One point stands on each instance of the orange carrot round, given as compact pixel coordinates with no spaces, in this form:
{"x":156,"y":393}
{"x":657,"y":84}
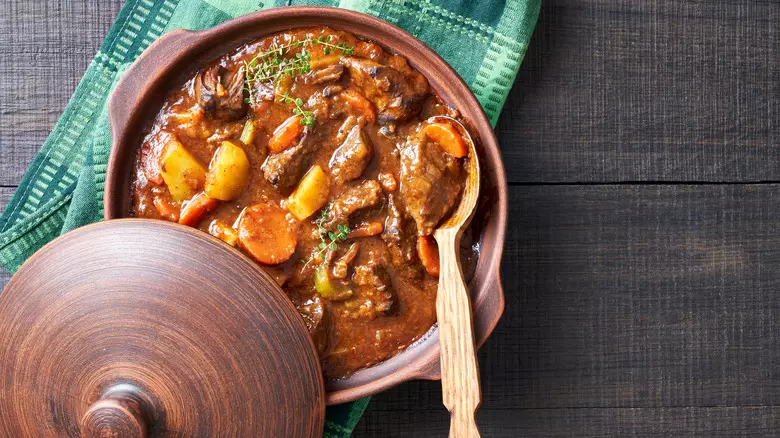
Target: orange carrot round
{"x":267,"y":234}
{"x":197,"y":207}
{"x":166,"y":209}
{"x":448,"y":138}
{"x":360,"y":103}
{"x":429,"y":254}
{"x":285,"y":134}
{"x":366,"y":230}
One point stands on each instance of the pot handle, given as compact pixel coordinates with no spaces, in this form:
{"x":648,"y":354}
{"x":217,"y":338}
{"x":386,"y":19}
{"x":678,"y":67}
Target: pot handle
{"x":135,"y":86}
{"x":487,"y":313}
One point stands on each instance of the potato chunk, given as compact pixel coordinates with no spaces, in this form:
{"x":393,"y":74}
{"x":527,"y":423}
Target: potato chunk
{"x":310,"y":195}
{"x":228,"y":172}
{"x":182,"y":172}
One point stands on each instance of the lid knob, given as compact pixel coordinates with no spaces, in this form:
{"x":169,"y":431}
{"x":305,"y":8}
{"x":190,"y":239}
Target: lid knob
{"x":122,"y":411}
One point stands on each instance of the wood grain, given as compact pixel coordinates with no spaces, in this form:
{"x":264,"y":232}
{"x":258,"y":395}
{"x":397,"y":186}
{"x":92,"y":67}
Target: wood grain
{"x":460,"y":388}
{"x":658,"y":322}
{"x":667,"y":90}
{"x":703,"y":422}
{"x":160,"y":331}
{"x":45,"y":48}
{"x":630,"y":310}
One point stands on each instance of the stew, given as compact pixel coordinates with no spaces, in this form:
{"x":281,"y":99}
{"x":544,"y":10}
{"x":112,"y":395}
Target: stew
{"x":312,"y":151}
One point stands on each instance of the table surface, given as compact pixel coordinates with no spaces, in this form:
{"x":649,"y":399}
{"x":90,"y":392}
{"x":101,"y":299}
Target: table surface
{"x":642,"y":262}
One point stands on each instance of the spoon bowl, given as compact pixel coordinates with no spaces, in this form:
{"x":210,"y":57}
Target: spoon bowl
{"x":461,"y":217}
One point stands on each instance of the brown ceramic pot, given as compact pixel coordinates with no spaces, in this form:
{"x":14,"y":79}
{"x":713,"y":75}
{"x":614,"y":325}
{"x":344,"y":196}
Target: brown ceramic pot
{"x":178,"y":54}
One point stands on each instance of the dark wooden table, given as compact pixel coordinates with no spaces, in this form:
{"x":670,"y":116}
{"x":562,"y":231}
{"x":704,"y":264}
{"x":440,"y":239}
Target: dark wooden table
{"x":642,"y":266}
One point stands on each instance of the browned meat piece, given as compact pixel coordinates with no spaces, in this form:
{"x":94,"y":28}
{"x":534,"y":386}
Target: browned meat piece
{"x":351,"y":158}
{"x":396,"y":94}
{"x":400,"y":237}
{"x":375,"y":288}
{"x":341,"y":266}
{"x":332,"y":90}
{"x":430,"y":183}
{"x":283,"y":170}
{"x":364,"y":195}
{"x":262,"y":92}
{"x":221,"y":96}
{"x":346,"y":127}
{"x":314,"y":315}
{"x":331,"y":73}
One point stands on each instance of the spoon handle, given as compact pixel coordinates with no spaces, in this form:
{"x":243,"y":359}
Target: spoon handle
{"x":459,"y":373}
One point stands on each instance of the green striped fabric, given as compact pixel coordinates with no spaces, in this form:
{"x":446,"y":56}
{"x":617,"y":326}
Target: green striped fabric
{"x":63,"y":188}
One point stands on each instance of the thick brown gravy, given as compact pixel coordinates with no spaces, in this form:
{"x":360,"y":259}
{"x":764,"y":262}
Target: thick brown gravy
{"x":317,"y":160}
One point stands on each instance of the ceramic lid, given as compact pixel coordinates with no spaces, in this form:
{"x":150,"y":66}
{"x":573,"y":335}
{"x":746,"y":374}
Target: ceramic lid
{"x":145,"y":328}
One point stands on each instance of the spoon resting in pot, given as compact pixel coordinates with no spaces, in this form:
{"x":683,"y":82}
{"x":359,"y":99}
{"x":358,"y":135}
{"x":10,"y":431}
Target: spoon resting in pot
{"x":461,"y":391}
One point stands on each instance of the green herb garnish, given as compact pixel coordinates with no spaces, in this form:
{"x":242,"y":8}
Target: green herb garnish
{"x":307,"y":117}
{"x":273,"y":63}
{"x":328,"y":239}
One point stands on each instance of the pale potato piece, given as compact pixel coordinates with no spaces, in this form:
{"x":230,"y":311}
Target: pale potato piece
{"x":310,"y":195}
{"x":228,"y":172}
{"x":182,"y":172}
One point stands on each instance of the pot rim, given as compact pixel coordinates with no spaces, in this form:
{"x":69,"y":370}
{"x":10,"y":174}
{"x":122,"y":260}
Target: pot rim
{"x":163,"y":58}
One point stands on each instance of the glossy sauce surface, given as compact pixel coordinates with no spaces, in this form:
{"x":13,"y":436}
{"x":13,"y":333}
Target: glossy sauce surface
{"x":385,"y":180}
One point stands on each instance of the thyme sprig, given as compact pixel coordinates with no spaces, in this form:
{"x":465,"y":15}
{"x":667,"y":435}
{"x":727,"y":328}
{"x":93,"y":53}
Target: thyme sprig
{"x":330,"y":47}
{"x":307,"y":117}
{"x":328,"y":239}
{"x":271,"y":64}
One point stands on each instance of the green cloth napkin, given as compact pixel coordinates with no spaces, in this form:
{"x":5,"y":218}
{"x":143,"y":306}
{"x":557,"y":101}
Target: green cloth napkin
{"x":484,"y":41}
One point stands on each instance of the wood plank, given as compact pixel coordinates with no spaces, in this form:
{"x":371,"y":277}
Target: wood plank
{"x":630,"y":90}
{"x":644,"y":296}
{"x":44,"y":50}
{"x":588,"y":422}
{"x":627,"y":297}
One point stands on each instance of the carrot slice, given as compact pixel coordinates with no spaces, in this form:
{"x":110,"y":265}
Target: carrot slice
{"x":267,"y":234}
{"x":285,"y":134}
{"x":166,"y":209}
{"x":429,"y":254}
{"x":197,"y":207}
{"x":448,"y":138}
{"x":360,"y":103}
{"x":366,"y":230}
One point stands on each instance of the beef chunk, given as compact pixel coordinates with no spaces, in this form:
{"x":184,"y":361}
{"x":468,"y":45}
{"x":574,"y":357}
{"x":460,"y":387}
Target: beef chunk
{"x":331,"y":73}
{"x":351,"y":158}
{"x":375,"y":288}
{"x":284,"y":169}
{"x":219,"y":94}
{"x":332,"y":90}
{"x":346,"y":127}
{"x":314,"y":315}
{"x":430,"y":183}
{"x":364,"y":195}
{"x":397,"y":92}
{"x":341,"y":265}
{"x":400,"y":237}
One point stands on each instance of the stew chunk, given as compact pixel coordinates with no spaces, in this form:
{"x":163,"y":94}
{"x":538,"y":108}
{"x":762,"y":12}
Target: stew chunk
{"x":284,"y":169}
{"x":375,"y":288}
{"x":396,"y":90}
{"x":351,"y":158}
{"x":219,"y":94}
{"x":430,"y":183}
{"x":364,"y":195}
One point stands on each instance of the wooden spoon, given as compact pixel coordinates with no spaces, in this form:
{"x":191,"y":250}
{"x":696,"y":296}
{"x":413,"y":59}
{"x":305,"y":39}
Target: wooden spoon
{"x":459,"y":373}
